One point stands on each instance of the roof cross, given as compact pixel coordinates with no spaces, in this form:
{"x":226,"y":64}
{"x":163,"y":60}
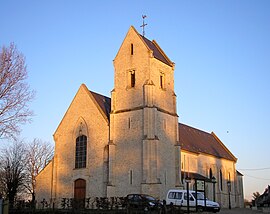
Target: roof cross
{"x":143,"y":25}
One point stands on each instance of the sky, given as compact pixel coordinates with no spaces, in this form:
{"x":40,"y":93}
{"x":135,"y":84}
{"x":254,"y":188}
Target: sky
{"x":221,"y":49}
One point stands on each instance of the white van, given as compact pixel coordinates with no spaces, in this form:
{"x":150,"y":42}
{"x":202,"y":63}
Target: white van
{"x":179,"y":198}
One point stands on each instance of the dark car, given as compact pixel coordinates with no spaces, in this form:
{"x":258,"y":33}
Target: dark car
{"x":143,"y":202}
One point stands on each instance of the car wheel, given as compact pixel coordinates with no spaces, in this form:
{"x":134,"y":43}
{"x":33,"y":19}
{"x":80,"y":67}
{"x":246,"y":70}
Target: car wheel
{"x":146,"y":209}
{"x":200,"y":209}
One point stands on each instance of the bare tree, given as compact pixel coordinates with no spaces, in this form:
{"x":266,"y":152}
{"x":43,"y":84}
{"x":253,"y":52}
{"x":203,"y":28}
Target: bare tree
{"x":38,"y":155}
{"x":15,"y":93}
{"x":12,"y":170}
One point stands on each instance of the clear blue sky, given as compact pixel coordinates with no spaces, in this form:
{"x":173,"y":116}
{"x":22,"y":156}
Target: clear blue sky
{"x":221,"y":50}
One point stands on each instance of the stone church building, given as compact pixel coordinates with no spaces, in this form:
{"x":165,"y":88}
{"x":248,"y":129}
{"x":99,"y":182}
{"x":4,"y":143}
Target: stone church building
{"x":133,"y":142}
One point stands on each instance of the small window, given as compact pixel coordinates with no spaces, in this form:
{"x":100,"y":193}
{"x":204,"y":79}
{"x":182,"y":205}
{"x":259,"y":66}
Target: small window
{"x":178,"y":195}
{"x":131,"y":49}
{"x":129,"y":123}
{"x":130,"y":177}
{"x":190,"y":197}
{"x":171,"y":195}
{"x":132,"y":79}
{"x":162,"y":80}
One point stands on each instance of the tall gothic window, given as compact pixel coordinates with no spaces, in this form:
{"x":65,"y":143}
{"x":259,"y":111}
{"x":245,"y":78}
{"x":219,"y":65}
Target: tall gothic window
{"x":210,"y":173}
{"x":81,"y":150}
{"x":221,"y":180}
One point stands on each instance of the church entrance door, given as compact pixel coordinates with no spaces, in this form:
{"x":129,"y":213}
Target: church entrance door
{"x":79,"y":193}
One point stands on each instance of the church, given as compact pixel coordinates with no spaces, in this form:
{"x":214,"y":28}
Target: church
{"x":133,"y":141}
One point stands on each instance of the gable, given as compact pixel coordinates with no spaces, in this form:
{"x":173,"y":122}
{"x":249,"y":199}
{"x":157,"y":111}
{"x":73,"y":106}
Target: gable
{"x":99,"y":102}
{"x":197,"y":141}
{"x":152,"y":46}
{"x":132,"y":36}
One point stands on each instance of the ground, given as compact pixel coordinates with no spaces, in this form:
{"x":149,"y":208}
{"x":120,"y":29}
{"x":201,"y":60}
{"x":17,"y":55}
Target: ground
{"x":240,"y":211}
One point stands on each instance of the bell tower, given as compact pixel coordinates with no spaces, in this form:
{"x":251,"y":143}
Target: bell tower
{"x":144,"y":152}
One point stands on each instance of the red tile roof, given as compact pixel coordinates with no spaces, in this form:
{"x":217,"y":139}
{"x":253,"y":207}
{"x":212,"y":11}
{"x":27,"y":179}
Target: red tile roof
{"x":157,"y":51}
{"x":191,"y":139}
{"x":197,"y":141}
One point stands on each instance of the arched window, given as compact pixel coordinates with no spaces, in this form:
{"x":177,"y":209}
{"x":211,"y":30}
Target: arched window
{"x":79,"y":189}
{"x":221,"y":180}
{"x":132,"y":79}
{"x":81,"y":151}
{"x":210,"y":174}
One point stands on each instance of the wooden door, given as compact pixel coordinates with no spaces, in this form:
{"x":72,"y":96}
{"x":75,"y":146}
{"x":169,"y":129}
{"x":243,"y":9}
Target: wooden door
{"x":79,"y":192}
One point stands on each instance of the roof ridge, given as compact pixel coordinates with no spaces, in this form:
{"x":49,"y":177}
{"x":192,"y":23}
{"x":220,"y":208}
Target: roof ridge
{"x":157,"y":51}
{"x":222,"y":144}
{"x":98,"y":104}
{"x":162,"y":52}
{"x":196,"y":140}
{"x":99,"y":94}
{"x":195,"y":128}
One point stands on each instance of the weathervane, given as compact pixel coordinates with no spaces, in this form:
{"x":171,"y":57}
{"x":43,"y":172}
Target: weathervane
{"x":143,"y":25}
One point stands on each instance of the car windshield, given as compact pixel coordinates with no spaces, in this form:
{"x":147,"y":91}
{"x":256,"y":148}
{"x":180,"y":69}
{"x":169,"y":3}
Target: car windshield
{"x":200,"y":196}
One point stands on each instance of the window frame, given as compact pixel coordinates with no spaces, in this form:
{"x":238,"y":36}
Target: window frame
{"x":81,"y":152}
{"x":132,"y":79}
{"x":162,"y":80}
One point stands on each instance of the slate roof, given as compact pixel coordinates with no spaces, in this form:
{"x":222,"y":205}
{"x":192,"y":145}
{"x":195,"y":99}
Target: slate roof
{"x":197,"y":141}
{"x":103,"y":102}
{"x":191,"y":139}
{"x":157,"y":51}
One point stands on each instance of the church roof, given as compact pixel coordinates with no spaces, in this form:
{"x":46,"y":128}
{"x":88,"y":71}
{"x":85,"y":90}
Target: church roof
{"x":104,"y":103}
{"x":157,"y":51}
{"x":197,"y":141}
{"x":191,"y":139}
{"x":239,"y":173}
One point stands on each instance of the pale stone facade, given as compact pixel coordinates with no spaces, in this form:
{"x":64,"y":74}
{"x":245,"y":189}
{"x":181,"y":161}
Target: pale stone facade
{"x":85,"y":117}
{"x":213,"y":161}
{"x":136,"y":122}
{"x":132,"y":142}
{"x":202,"y":164}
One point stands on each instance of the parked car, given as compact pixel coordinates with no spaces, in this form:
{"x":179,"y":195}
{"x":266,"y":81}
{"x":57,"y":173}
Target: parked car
{"x":143,"y":202}
{"x":179,"y":198}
